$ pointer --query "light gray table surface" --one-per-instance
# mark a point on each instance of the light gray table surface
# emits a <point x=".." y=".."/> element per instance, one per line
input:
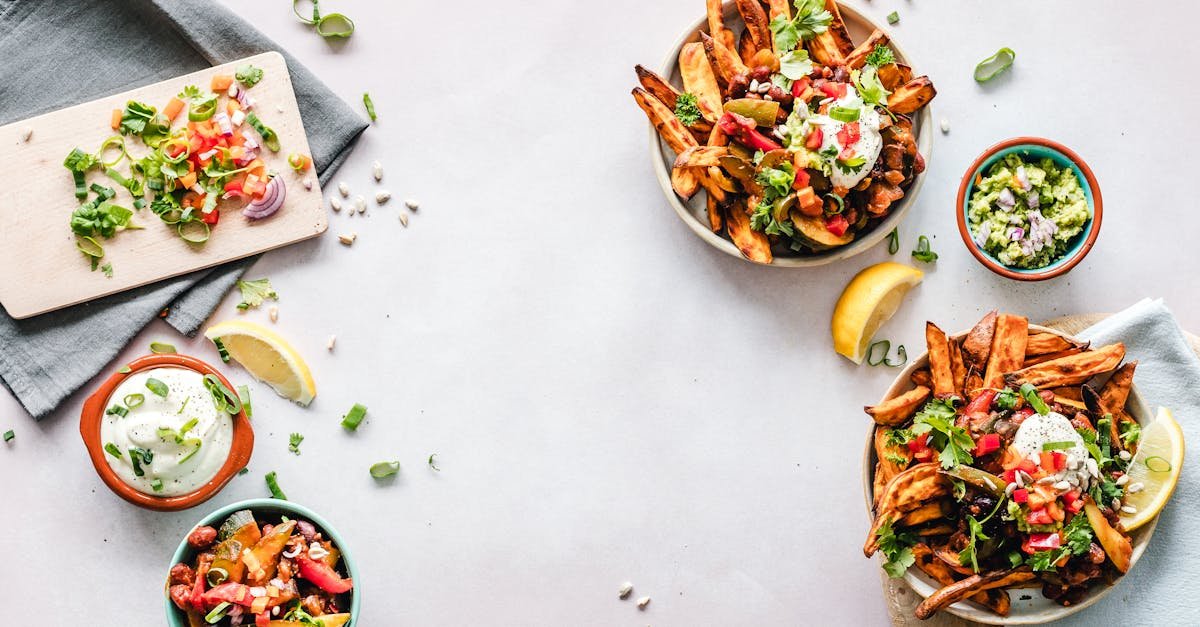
<point x="610" y="399"/>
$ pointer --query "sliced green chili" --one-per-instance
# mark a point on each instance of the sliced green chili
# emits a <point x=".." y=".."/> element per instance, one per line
<point x="994" y="65"/>
<point x="841" y="204"/>
<point x="270" y="140"/>
<point x="116" y="141"/>
<point x="203" y="110"/>
<point x="216" y="576"/>
<point x="89" y="247"/>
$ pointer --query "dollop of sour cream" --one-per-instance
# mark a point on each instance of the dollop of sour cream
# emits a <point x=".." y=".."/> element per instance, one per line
<point x="865" y="143"/>
<point x="181" y="462"/>
<point x="1038" y="430"/>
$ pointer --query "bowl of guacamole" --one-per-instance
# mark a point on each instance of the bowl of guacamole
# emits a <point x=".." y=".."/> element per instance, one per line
<point x="1029" y="209"/>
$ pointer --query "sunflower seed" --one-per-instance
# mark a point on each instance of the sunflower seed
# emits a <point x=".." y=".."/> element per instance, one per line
<point x="411" y="203"/>
<point x="1129" y="509"/>
<point x="643" y="602"/>
<point x="307" y="183"/>
<point x="348" y="239"/>
<point x="382" y="197"/>
<point x="1116" y="504"/>
<point x="1036" y="459"/>
<point x="1008" y="491"/>
<point x="624" y="591"/>
<point x="1093" y="467"/>
<point x="1047" y="480"/>
<point x="335" y="204"/>
<point x="1122" y="480"/>
<point x="27" y="135"/>
<point x="767" y="97"/>
<point x="1019" y="478"/>
<point x="329" y="344"/>
<point x="1062" y="486"/>
<point x="1125" y="455"/>
<point x="945" y="125"/>
<point x="753" y="85"/>
<point x="361" y="203"/>
<point x="344" y="189"/>
<point x="1135" y="487"/>
<point x="273" y="312"/>
<point x="764" y="88"/>
<point x="404" y="219"/>
<point x="377" y="171"/>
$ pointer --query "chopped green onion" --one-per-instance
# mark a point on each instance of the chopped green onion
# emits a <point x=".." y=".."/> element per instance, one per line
<point x="335" y="25"/>
<point x="841" y="204"/>
<point x="158" y="387"/>
<point x="162" y="348"/>
<point x="273" y="486"/>
<point x="894" y="241"/>
<point x="316" y="11"/>
<point x="216" y="576"/>
<point x="844" y="114"/>
<point x="116" y="141"/>
<point x="223" y="398"/>
<point x="384" y="469"/>
<point x="89" y="247"/>
<point x="140" y="456"/>
<point x="221" y="349"/>
<point x="1061" y="445"/>
<point x="9" y="435"/>
<point x="893" y="17"/>
<point x="125" y="370"/>
<point x="244" y="395"/>
<point x="1160" y="464"/>
<point x="118" y="410"/>
<point x="294" y="443"/>
<point x="193" y="231"/>
<point x="135" y="400"/>
<point x="1031" y="396"/>
<point x="243" y="471"/>
<point x="270" y="140"/>
<point x="202" y="110"/>
<point x="183" y="405"/>
<point x="880" y="357"/>
<point x="218" y="613"/>
<point x="370" y="105"/>
<point x="923" y="252"/>
<point x="188" y="426"/>
<point x="994" y="65"/>
<point x="353" y="417"/>
<point x="194" y="442"/>
<point x="432" y="463"/>
<point x="167" y="432"/>
<point x="112" y="449"/>
<point x="156" y="485"/>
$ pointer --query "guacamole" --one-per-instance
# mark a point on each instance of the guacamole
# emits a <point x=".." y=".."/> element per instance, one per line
<point x="1025" y="212"/>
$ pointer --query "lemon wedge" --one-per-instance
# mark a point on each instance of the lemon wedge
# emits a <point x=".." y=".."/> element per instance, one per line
<point x="266" y="356"/>
<point x="871" y="298"/>
<point x="1153" y="471"/>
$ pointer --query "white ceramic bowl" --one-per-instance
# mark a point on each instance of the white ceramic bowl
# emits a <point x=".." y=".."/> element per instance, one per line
<point x="693" y="212"/>
<point x="1038" y="609"/>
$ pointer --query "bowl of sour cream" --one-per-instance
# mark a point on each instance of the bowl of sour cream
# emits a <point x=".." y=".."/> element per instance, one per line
<point x="166" y="432"/>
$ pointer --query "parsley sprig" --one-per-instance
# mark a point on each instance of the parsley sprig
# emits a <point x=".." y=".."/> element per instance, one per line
<point x="897" y="550"/>
<point x="687" y="109"/>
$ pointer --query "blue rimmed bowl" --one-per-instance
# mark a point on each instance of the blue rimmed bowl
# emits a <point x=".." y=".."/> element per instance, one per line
<point x="266" y="507"/>
<point x="1037" y="148"/>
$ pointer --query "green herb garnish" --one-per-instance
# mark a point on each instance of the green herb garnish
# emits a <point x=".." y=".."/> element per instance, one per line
<point x="687" y="109"/>
<point x="135" y="117"/>
<point x="135" y="400"/>
<point x="248" y="75"/>
<point x="156" y="485"/>
<point x="224" y="399"/>
<point x="880" y="55"/>
<point x="140" y="456"/>
<point x="224" y="354"/>
<point x="107" y="269"/>
<point x="217" y="613"/>
<point x="162" y="348"/>
<point x="811" y="19"/>
<point x="253" y="294"/>
<point x="118" y="410"/>
<point x="969" y="554"/>
<point x="1006" y="399"/>
<point x="158" y="387"/>
<point x="1031" y="396"/>
<point x="1060" y="445"/>
<point x="954" y="443"/>
<point x="1078" y="540"/>
<point x="896" y="549"/>
<point x="923" y="252"/>
<point x="844" y="114"/>
<point x="384" y="469"/>
<point x="273" y="486"/>
<point x="432" y="463"/>
<point x="370" y="105"/>
<point x="893" y="17"/>
<point x="244" y="394"/>
<point x="112" y="449"/>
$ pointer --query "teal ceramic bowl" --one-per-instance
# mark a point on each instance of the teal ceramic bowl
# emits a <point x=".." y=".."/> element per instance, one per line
<point x="268" y="508"/>
<point x="1036" y="148"/>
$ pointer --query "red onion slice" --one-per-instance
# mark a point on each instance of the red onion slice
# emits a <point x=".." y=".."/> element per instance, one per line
<point x="270" y="202"/>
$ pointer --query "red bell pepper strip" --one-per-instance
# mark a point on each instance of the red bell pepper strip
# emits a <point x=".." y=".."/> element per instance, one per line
<point x="197" y="598"/>
<point x="232" y="592"/>
<point x="802" y="179"/>
<point x="1041" y="542"/>
<point x="800" y="85"/>
<point x="837" y="225"/>
<point x="211" y="217"/>
<point x="745" y="131"/>
<point x="981" y="403"/>
<point x="986" y="443"/>
<point x="322" y="576"/>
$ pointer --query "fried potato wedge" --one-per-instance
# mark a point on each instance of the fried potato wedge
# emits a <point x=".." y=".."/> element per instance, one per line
<point x="1072" y="392"/>
<point x="912" y="95"/>
<point x="895" y="411"/>
<point x="997" y="601"/>
<point x="701" y="157"/>
<point x="950" y="558"/>
<point x="1008" y="349"/>
<point x="668" y="126"/>
<point x="699" y="80"/>
<point x="779" y="8"/>
<point x="939" y="361"/>
<point x="658" y="86"/>
<point x="746" y="49"/>
<point x="1115" y="392"/>
<point x="1116" y="545"/>
<point x="921" y="515"/>
<point x="715" y="11"/>
<point x="1038" y="359"/>
<point x="754" y="244"/>
<point x="834" y="45"/>
<point x="941" y="529"/>
<point x="904" y="493"/>
<point x="1093" y="403"/>
<point x="724" y="60"/>
<point x="889" y="456"/>
<point x="685" y="182"/>
<point x="858" y="57"/>
<point x="958" y="369"/>
<point x="977" y="345"/>
<point x="1072" y="370"/>
<point x="1046" y="343"/>
<point x="967" y="588"/>
<point x="756" y="25"/>
<point x="921" y="377"/>
<point x="893" y="75"/>
<point x="716" y="219"/>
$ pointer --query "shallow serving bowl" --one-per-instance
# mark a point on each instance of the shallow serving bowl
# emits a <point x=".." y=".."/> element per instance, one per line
<point x="1038" y="609"/>
<point x="93" y="415"/>
<point x="1035" y="147"/>
<point x="272" y="507"/>
<point x="693" y="212"/>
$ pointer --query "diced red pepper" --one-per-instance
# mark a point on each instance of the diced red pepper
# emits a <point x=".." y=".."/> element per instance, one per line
<point x="1075" y="506"/>
<point x="837" y="225"/>
<point x="849" y="135"/>
<point x="800" y="85"/>
<point x="1009" y="476"/>
<point x="1039" y="517"/>
<point x="211" y="217"/>
<point x="814" y="140"/>
<point x="802" y="179"/>
<point x="833" y="90"/>
<point x="1027" y="466"/>
<point x="262" y="620"/>
<point x="322" y="576"/>
<point x="197" y="598"/>
<point x="987" y="443"/>
<point x="231" y="592"/>
<point x="1041" y="542"/>
<point x="1058" y="460"/>
<point x="1020" y="495"/>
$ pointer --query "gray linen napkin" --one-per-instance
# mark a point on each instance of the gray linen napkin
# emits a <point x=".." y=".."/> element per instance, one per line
<point x="1157" y="589"/>
<point x="58" y="54"/>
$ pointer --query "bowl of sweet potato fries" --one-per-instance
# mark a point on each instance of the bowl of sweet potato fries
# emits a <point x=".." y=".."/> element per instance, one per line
<point x="779" y="140"/>
<point x="993" y="473"/>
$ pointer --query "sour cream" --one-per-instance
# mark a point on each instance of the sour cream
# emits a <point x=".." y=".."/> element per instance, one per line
<point x="182" y="462"/>
<point x="867" y="146"/>
<point x="1038" y="430"/>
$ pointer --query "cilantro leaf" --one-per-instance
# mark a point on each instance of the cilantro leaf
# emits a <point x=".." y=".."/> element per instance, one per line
<point x="811" y="20"/>
<point x="870" y="88"/>
<point x="898" y="437"/>
<point x="248" y="75"/>
<point x="969" y="555"/>
<point x="255" y="292"/>
<point x="1078" y="540"/>
<point x="896" y="458"/>
<point x="880" y="55"/>
<point x="1006" y="399"/>
<point x="954" y="443"/>
<point x="763" y="219"/>
<point x="795" y="65"/>
<point x="687" y="109"/>
<point x="896" y="549"/>
<point x="191" y="92"/>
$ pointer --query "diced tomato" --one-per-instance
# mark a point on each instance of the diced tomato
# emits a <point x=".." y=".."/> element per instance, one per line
<point x="1041" y="542"/>
<point x="231" y="592"/>
<point x="1071" y="497"/>
<point x="262" y="620"/>
<point x="849" y="135"/>
<point x="981" y="403"/>
<point x="987" y="443"/>
<point x="1056" y="511"/>
<point x="918" y="443"/>
<point x="1027" y="466"/>
<point x="837" y="225"/>
<point x="322" y="576"/>
<point x="1009" y="476"/>
<point x="1075" y="506"/>
<point x="800" y="85"/>
<point x="1020" y="495"/>
<point x="1039" y="517"/>
<point x="814" y="140"/>
<point x="833" y="90"/>
<point x="1058" y="461"/>
<point x="212" y="216"/>
<point x="1037" y="500"/>
<point x="802" y="179"/>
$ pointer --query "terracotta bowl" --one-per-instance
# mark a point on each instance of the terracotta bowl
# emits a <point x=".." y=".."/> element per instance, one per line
<point x="693" y="212"/>
<point x="1037" y="609"/>
<point x="93" y="415"/>
<point x="1063" y="156"/>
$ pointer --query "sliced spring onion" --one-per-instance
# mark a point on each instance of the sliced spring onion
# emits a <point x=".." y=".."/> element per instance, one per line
<point x="316" y="11"/>
<point x="223" y="398"/>
<point x="1157" y="464"/>
<point x="1060" y="445"/>
<point x="167" y="433"/>
<point x="203" y="109"/>
<point x="156" y="485"/>
<point x="894" y="241"/>
<point x="80" y="183"/>
<point x="112" y="449"/>
<point x="125" y="370"/>
<point x="196" y="443"/>
<point x="384" y="469"/>
<point x="923" y="252"/>
<point x="335" y="25"/>
<point x="370" y="105"/>
<point x="117" y="410"/>
<point x="9" y="435"/>
<point x="994" y="65"/>
<point x="217" y="576"/>
<point x="140" y="456"/>
<point x="1031" y="396"/>
<point x="243" y="471"/>
<point x="89" y="247"/>
<point x="273" y="486"/>
<point x="221" y="349"/>
<point x="432" y="463"/>
<point x="355" y="416"/>
<point x="183" y="406"/>
<point x="270" y="140"/>
<point x="188" y="426"/>
<point x="244" y="394"/>
<point x="217" y="613"/>
<point x="893" y="17"/>
<point x="193" y="231"/>
<point x="135" y="400"/>
<point x="116" y="141"/>
<point x="879" y="356"/>
<point x="844" y="114"/>
<point x="158" y="387"/>
<point x="837" y="200"/>
<point x="162" y="348"/>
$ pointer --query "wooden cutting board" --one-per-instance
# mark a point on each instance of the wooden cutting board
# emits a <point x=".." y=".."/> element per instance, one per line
<point x="40" y="268"/>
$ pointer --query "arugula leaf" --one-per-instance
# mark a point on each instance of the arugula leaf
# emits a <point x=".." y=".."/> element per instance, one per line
<point x="954" y="443"/>
<point x="135" y="117"/>
<point x="881" y="55"/>
<point x="896" y="549"/>
<point x="687" y="109"/>
<point x="255" y="292"/>
<point x="248" y="75"/>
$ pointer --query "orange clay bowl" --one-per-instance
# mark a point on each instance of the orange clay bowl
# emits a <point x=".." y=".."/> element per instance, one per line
<point x="93" y="415"/>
